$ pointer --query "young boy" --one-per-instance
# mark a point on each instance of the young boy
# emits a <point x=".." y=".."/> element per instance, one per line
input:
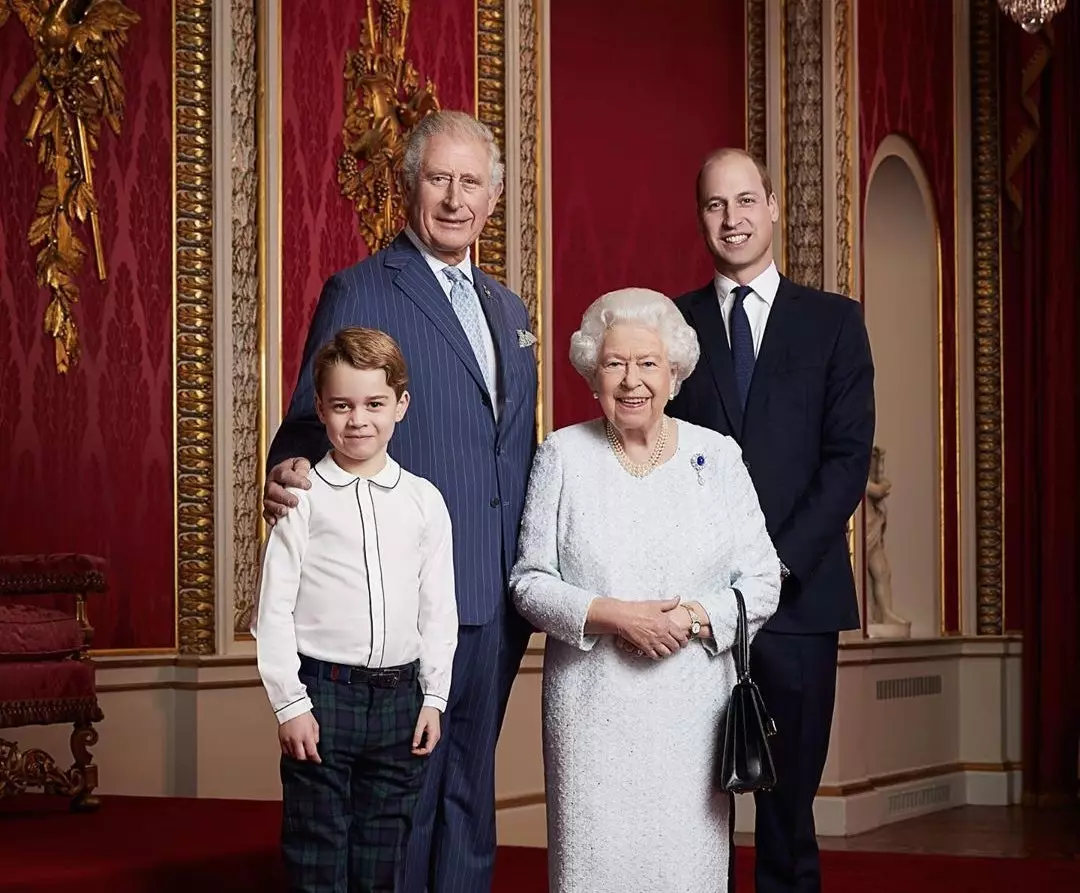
<point x="356" y="630"/>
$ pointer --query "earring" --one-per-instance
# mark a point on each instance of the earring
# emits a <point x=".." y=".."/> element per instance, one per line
<point x="595" y="395"/>
<point x="671" y="396"/>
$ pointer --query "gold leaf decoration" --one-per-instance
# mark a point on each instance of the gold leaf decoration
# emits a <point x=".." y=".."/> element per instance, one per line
<point x="383" y="102"/>
<point x="78" y="83"/>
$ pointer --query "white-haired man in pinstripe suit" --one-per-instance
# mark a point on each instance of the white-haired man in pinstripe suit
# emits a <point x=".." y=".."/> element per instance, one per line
<point x="470" y="430"/>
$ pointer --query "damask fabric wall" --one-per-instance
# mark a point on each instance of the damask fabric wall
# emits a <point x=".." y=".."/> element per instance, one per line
<point x="906" y="77"/>
<point x="320" y="235"/>
<point x="638" y="98"/>
<point x="87" y="457"/>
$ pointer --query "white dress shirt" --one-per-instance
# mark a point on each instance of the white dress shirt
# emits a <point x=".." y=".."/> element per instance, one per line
<point x="437" y="267"/>
<point x="360" y="573"/>
<point x="757" y="305"/>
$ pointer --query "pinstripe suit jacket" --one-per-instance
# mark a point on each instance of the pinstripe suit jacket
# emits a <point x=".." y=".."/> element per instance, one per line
<point x="449" y="435"/>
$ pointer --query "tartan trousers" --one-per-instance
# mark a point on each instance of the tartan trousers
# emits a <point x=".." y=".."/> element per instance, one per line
<point x="347" y="819"/>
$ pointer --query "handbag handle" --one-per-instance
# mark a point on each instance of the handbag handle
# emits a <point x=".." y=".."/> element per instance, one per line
<point x="741" y="651"/>
<point x="742" y="640"/>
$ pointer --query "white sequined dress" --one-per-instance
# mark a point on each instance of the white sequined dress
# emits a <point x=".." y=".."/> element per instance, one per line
<point x="629" y="743"/>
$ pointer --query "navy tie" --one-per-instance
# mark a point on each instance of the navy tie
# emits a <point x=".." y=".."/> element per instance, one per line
<point x="742" y="343"/>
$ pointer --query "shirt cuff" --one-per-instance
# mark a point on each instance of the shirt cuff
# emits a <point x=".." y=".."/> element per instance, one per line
<point x="293" y="710"/>
<point x="435" y="701"/>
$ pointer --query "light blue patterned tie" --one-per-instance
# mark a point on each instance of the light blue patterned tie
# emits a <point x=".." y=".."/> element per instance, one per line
<point x="466" y="304"/>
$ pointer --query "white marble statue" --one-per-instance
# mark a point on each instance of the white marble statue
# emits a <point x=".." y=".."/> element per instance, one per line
<point x="883" y="621"/>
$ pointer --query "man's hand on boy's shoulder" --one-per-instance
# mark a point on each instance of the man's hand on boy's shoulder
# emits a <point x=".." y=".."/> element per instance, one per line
<point x="276" y="499"/>
<point x="299" y="737"/>
<point x="428" y="731"/>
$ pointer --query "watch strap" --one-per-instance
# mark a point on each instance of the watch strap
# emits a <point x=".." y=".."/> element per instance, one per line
<point x="694" y="620"/>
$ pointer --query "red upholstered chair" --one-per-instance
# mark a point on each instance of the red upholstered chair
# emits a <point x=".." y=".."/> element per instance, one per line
<point x="46" y="676"/>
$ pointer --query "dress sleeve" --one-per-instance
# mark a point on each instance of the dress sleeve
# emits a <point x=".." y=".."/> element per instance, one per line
<point x="539" y="592"/>
<point x="755" y="567"/>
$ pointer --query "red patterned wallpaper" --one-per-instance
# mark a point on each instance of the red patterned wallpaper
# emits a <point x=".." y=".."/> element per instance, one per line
<point x="87" y="457"/>
<point x="905" y="59"/>
<point x="320" y="236"/>
<point x="638" y="97"/>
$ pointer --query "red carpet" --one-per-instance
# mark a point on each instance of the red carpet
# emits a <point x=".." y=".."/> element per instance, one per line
<point x="149" y="845"/>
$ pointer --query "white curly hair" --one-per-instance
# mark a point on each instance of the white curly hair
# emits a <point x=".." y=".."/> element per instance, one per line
<point x="635" y="306"/>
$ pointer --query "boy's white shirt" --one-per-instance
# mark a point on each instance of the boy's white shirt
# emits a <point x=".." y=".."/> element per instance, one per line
<point x="361" y="573"/>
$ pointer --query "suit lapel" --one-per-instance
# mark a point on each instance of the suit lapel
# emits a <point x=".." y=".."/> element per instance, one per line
<point x="779" y="333"/>
<point x="491" y="302"/>
<point x="415" y="279"/>
<point x="712" y="335"/>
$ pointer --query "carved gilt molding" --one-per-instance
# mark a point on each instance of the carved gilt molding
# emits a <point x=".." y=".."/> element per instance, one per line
<point x="756" y="87"/>
<point x="77" y="84"/>
<point x="986" y="195"/>
<point x="529" y="153"/>
<point x="844" y="103"/>
<point x="491" y="110"/>
<point x="384" y="100"/>
<point x="194" y="344"/>
<point x="803" y="141"/>
<point x="247" y="308"/>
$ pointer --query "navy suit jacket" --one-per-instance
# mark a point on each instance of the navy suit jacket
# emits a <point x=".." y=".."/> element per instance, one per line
<point x="806" y="434"/>
<point x="449" y="434"/>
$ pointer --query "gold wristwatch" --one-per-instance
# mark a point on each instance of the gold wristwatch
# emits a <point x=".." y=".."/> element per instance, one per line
<point x="695" y="624"/>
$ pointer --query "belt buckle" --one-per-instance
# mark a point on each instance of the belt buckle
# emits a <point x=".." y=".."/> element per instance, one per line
<point x="386" y="678"/>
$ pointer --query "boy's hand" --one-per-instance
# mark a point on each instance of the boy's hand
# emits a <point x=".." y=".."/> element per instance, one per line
<point x="298" y="737"/>
<point x="428" y="731"/>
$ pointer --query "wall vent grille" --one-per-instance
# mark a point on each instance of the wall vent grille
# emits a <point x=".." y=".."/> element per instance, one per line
<point x="920" y="799"/>
<point x="908" y="687"/>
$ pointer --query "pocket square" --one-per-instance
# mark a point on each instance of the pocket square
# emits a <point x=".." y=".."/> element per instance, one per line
<point x="525" y="338"/>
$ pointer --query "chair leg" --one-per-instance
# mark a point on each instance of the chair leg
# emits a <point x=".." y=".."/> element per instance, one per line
<point x="35" y="768"/>
<point x="10" y="769"/>
<point x="83" y="773"/>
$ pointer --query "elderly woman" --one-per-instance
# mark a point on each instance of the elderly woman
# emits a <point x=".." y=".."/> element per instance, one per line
<point x="636" y="530"/>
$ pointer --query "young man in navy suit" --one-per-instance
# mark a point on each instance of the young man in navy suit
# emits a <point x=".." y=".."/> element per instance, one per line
<point x="471" y="431"/>
<point x="787" y="373"/>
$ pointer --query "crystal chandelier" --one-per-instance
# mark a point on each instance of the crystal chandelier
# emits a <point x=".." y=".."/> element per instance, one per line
<point x="1031" y="15"/>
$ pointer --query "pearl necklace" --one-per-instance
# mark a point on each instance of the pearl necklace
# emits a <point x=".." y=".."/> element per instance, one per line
<point x="637" y="469"/>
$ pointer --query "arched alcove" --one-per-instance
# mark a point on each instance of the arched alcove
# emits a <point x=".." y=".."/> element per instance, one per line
<point x="902" y="294"/>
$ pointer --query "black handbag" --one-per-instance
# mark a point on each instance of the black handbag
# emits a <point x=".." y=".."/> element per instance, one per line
<point x="746" y="763"/>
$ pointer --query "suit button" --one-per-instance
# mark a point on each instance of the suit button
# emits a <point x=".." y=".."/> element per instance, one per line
<point x="495" y="502"/>
<point x="498" y="451"/>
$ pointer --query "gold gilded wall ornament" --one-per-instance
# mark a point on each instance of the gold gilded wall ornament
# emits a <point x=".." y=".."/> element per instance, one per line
<point x="383" y="102"/>
<point x="78" y="83"/>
